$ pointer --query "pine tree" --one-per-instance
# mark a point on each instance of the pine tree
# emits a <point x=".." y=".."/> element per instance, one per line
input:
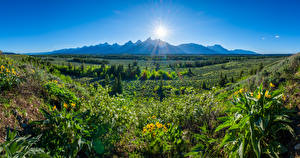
<point x="261" y="66"/>
<point x="160" y="91"/>
<point x="119" y="86"/>
<point x="106" y="81"/>
<point x="204" y="85"/>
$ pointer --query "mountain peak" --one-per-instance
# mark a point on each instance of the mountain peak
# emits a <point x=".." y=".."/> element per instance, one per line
<point x="151" y="46"/>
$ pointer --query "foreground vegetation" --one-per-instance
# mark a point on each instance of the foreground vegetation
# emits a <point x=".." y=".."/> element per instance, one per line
<point x="243" y="106"/>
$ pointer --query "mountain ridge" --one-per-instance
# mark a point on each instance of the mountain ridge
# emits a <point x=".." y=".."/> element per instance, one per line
<point x="150" y="47"/>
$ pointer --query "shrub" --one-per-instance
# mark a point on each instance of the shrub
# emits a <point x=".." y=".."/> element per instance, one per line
<point x="59" y="94"/>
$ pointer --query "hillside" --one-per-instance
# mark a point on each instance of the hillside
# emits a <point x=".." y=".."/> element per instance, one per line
<point x="64" y="110"/>
<point x="150" y="47"/>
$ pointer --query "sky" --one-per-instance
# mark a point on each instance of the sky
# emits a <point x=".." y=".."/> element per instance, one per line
<point x="264" y="26"/>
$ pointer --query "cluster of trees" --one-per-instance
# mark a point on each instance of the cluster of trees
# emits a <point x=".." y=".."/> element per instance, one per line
<point x="197" y="63"/>
<point x="156" y="75"/>
<point x="89" y="61"/>
<point x="100" y="72"/>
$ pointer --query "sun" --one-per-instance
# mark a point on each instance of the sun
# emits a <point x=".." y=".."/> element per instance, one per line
<point x="160" y="32"/>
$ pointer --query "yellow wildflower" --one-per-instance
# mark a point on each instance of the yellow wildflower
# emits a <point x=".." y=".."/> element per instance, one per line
<point x="267" y="95"/>
<point x="13" y="71"/>
<point x="154" y="134"/>
<point x="73" y="105"/>
<point x="165" y="128"/>
<point x="65" y="105"/>
<point x="158" y="125"/>
<point x="144" y="130"/>
<point x="154" y="117"/>
<point x="283" y="97"/>
<point x="54" y="107"/>
<point x="236" y="93"/>
<point x="271" y="84"/>
<point x="7" y="70"/>
<point x="148" y="126"/>
<point x="241" y="90"/>
<point x="2" y="67"/>
<point x="251" y="94"/>
<point x="258" y="96"/>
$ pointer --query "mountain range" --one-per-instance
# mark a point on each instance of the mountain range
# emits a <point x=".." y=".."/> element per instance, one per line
<point x="150" y="47"/>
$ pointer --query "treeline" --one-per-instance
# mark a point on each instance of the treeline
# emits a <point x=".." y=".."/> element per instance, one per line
<point x="168" y="57"/>
<point x="197" y="63"/>
<point x="89" y="61"/>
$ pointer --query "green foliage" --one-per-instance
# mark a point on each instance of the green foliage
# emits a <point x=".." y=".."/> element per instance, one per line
<point x="206" y="146"/>
<point x="84" y="120"/>
<point x="162" y="139"/>
<point x="59" y="93"/>
<point x="64" y="133"/>
<point x="255" y="124"/>
<point x="21" y="147"/>
<point x="8" y="76"/>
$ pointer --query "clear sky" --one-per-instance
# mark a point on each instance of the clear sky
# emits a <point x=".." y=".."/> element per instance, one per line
<point x="265" y="26"/>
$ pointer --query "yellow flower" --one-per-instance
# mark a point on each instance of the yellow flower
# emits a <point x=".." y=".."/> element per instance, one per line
<point x="241" y="90"/>
<point x="144" y="130"/>
<point x="283" y="97"/>
<point x="165" y="128"/>
<point x="148" y="126"/>
<point x="7" y="70"/>
<point x="154" y="117"/>
<point x="73" y="105"/>
<point x="13" y="71"/>
<point x="2" y="67"/>
<point x="236" y="93"/>
<point x="258" y="96"/>
<point x="271" y="84"/>
<point x="158" y="125"/>
<point x="154" y="134"/>
<point x="267" y="95"/>
<point x="54" y="107"/>
<point x="251" y="94"/>
<point x="65" y="105"/>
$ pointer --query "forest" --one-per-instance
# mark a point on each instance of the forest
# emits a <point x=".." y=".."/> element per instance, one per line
<point x="149" y="106"/>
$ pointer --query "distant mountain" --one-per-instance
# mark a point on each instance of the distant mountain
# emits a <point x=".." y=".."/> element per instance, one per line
<point x="149" y="46"/>
<point x="8" y="53"/>
<point x="192" y="48"/>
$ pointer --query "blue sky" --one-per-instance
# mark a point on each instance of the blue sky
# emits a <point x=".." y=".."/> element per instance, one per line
<point x="265" y="26"/>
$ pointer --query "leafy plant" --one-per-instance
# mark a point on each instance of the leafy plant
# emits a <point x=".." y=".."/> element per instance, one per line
<point x="59" y="93"/>
<point x="64" y="133"/>
<point x="161" y="138"/>
<point x="206" y="146"/>
<point x="8" y="75"/>
<point x="21" y="147"/>
<point x="255" y="124"/>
